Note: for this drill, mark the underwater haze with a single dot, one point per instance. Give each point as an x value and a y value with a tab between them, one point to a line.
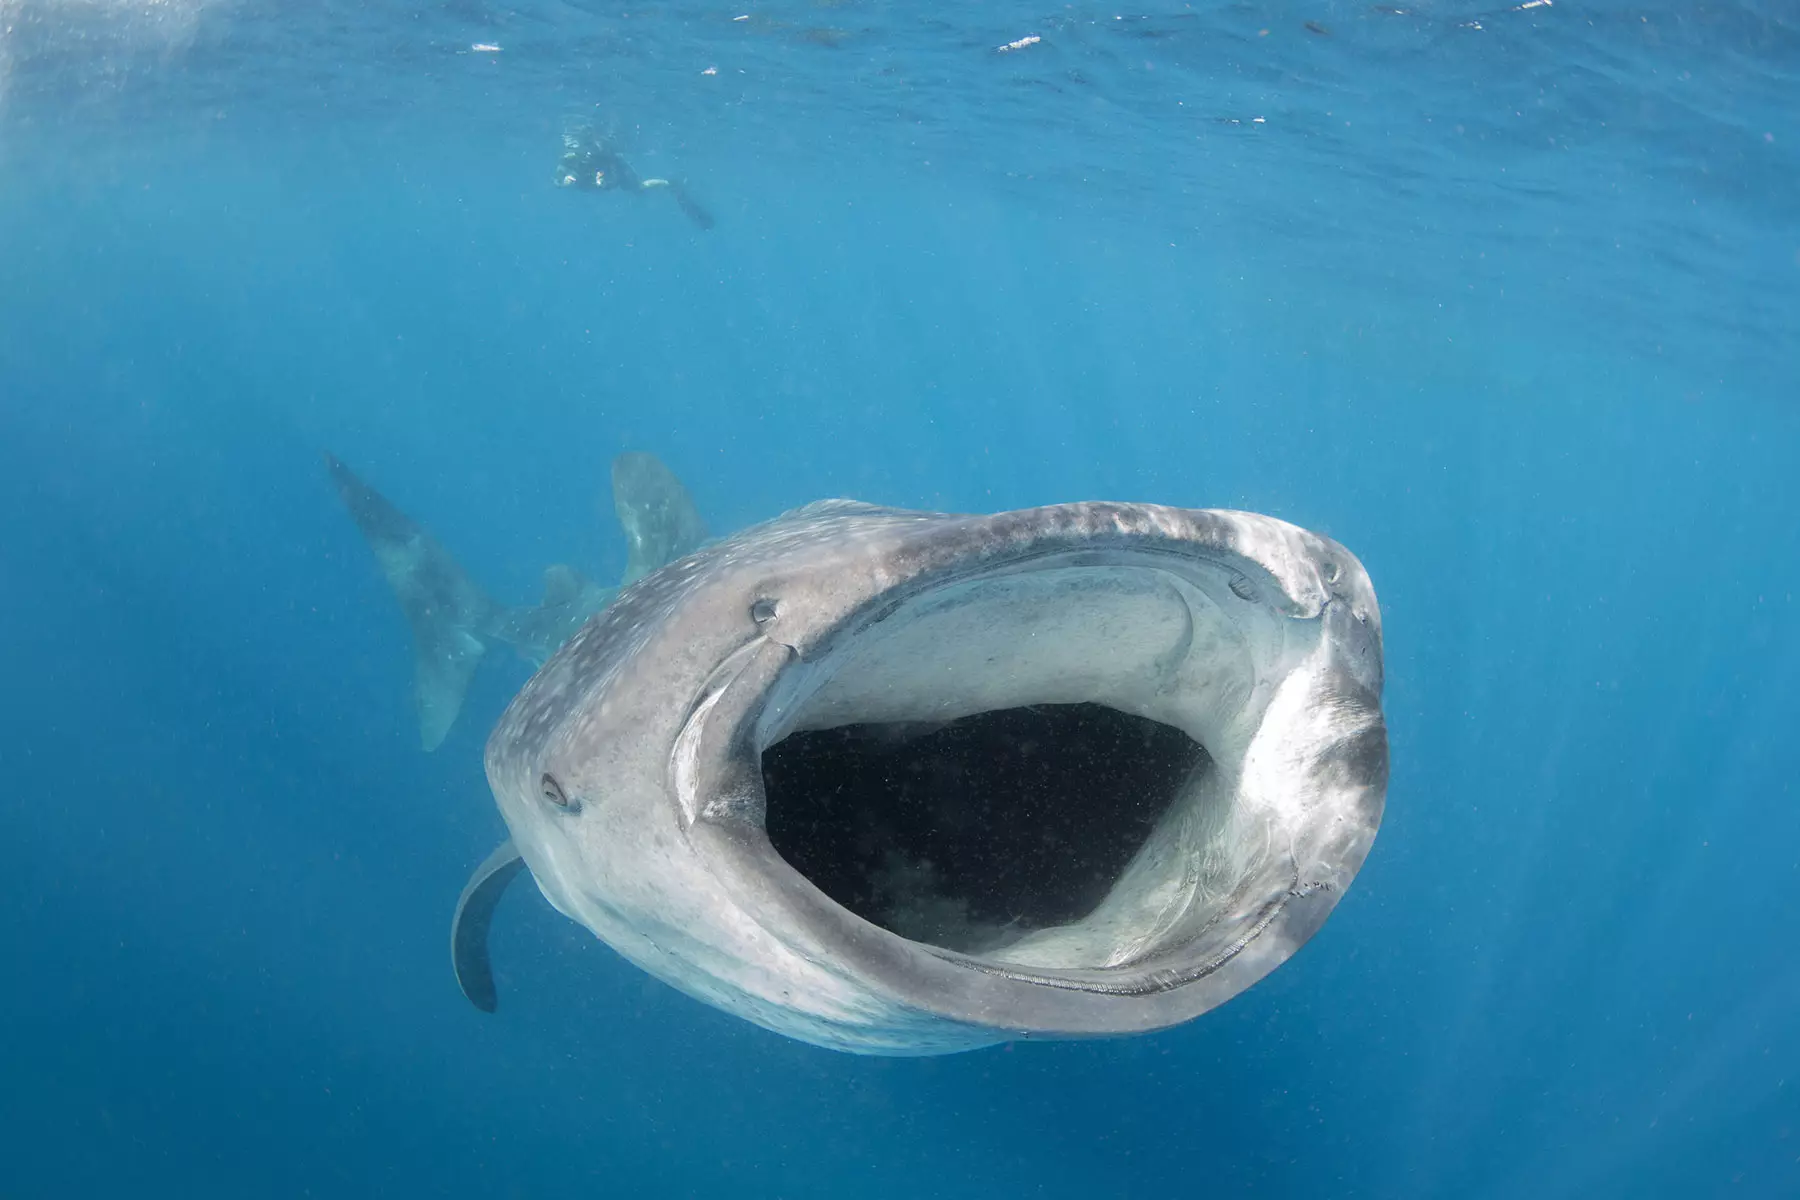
1505	298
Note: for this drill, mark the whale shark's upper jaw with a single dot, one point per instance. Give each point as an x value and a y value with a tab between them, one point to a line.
906	783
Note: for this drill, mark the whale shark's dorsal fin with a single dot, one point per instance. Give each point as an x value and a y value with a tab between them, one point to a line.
657	513
469	927
444	607
562	584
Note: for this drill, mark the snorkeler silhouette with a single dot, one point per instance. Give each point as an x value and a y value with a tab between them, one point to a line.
590	164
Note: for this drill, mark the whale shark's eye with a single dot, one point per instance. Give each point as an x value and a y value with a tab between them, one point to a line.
1332	572
553	792
763	611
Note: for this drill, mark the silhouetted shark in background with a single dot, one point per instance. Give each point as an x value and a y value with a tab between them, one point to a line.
454	621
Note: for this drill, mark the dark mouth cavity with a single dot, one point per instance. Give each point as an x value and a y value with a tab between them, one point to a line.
971	834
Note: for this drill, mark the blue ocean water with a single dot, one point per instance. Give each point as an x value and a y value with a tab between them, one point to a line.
1503	298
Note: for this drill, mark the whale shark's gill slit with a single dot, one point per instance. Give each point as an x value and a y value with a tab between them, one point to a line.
971	834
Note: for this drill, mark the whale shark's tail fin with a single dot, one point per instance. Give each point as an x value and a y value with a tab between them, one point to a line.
658	515
448	613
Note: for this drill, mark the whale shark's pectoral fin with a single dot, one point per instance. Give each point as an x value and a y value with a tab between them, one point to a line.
469	928
442	604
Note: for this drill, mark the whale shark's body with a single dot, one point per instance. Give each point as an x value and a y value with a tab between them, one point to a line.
909	783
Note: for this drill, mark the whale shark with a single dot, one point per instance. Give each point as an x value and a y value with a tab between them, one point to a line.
454	622
909	783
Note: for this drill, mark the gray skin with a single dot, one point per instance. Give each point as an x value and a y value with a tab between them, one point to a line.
453	620
628	769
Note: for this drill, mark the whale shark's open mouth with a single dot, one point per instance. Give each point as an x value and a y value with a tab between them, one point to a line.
1040	770
973	834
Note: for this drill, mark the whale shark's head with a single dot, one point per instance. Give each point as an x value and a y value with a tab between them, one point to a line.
901	782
